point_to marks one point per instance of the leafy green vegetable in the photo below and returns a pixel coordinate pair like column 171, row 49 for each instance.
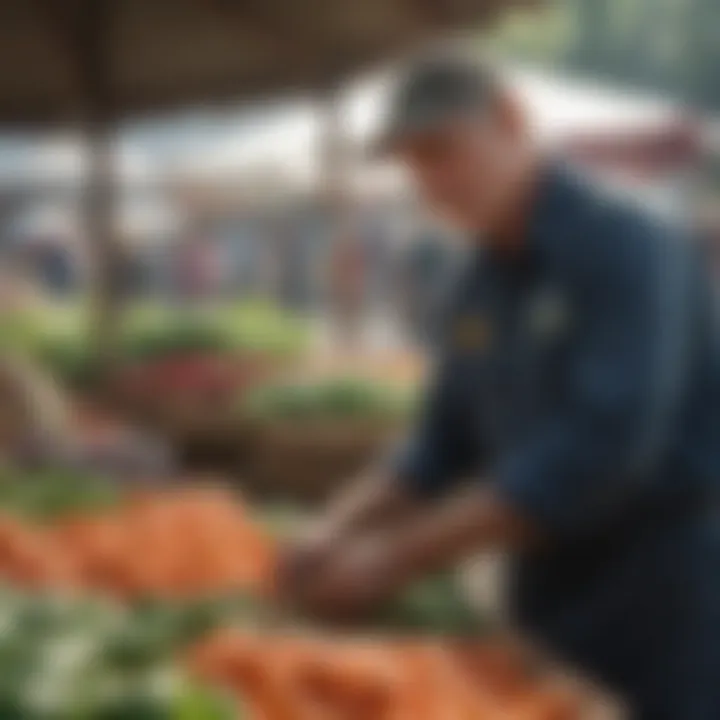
column 44, row 494
column 342, row 398
column 197, row 703
column 59, row 338
column 77, row 659
column 436, row 606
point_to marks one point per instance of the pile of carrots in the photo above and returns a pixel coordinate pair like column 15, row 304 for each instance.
column 189, row 543
column 312, row 678
column 175, row 544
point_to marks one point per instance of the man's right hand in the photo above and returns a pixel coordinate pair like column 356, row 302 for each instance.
column 302, row 558
column 373, row 501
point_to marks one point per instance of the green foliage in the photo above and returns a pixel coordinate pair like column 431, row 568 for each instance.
column 85, row 659
column 46, row 494
column 68, row 357
column 336, row 398
column 542, row 36
column 154, row 331
column 197, row 703
column 436, row 605
column 58, row 338
column 666, row 46
column 25, row 330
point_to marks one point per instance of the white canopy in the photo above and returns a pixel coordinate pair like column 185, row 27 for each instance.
column 139, row 221
column 284, row 140
column 557, row 107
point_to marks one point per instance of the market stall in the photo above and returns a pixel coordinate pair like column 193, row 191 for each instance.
column 162, row 597
column 145, row 601
column 91, row 64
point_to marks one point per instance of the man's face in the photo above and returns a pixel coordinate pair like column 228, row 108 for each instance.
column 461, row 168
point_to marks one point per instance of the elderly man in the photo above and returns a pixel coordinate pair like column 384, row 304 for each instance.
column 573, row 418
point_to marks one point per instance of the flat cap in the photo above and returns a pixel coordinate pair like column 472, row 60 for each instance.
column 430, row 91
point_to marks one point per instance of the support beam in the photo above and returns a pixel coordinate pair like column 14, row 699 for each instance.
column 291, row 34
column 345, row 268
column 83, row 39
column 60, row 33
column 99, row 216
column 334, row 153
column 94, row 50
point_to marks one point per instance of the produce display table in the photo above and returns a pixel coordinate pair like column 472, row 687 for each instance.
column 306, row 676
column 190, row 550
column 177, row 579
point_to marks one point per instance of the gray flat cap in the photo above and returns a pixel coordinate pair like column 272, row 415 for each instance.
column 431, row 91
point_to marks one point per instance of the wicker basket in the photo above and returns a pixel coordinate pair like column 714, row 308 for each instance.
column 208, row 423
column 306, row 462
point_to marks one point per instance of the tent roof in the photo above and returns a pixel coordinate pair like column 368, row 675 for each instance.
column 140, row 56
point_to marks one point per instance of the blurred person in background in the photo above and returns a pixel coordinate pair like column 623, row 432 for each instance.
column 128, row 271
column 348, row 278
column 574, row 418
column 199, row 266
column 19, row 291
column 38, row 423
column 424, row 276
column 51, row 263
column 57, row 268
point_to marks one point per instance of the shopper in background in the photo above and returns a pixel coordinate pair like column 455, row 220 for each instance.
column 348, row 276
column 425, row 274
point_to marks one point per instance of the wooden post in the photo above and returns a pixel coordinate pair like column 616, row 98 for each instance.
column 345, row 283
column 99, row 207
column 94, row 52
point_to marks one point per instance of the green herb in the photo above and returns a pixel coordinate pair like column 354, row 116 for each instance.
column 337, row 398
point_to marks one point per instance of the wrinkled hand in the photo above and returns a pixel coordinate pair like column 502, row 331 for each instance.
column 351, row 581
column 301, row 560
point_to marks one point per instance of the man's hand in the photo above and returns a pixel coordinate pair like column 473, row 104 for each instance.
column 373, row 503
column 351, row 575
column 352, row 579
column 301, row 561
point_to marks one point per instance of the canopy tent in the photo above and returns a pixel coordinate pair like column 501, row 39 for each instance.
column 137, row 222
column 559, row 109
column 63, row 59
column 96, row 62
column 57, row 166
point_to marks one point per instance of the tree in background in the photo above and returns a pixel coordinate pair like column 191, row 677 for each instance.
column 704, row 52
column 668, row 46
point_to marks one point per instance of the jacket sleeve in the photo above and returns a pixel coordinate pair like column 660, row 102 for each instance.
column 623, row 391
column 441, row 449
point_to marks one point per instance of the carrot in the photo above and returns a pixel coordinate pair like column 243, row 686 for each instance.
column 350, row 680
column 545, row 704
column 497, row 668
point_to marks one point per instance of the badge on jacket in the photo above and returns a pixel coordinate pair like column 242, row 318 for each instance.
column 471, row 333
column 549, row 314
